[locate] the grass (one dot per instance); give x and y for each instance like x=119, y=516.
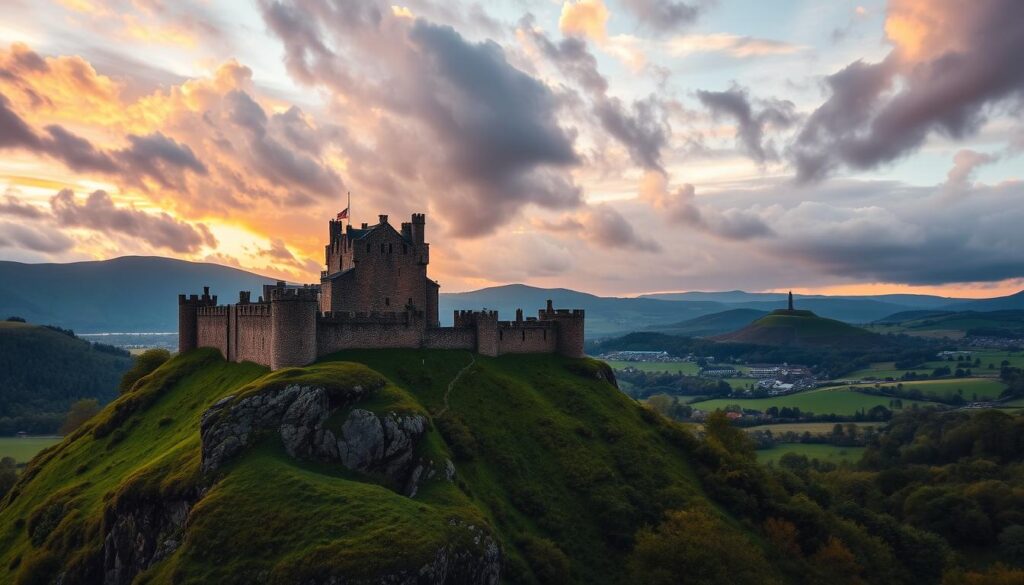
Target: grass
x=841, y=401
x=23, y=449
x=545, y=451
x=829, y=453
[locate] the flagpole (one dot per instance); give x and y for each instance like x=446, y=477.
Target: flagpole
x=349, y=208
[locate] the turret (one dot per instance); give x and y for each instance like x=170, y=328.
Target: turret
x=487, y=333
x=569, y=325
x=187, y=327
x=419, y=222
x=293, y=327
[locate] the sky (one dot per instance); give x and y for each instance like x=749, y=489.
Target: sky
x=619, y=147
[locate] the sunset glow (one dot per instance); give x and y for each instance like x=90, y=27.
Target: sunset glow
x=829, y=148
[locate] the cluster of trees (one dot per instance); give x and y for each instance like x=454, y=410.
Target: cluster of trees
x=642, y=384
x=824, y=362
x=842, y=435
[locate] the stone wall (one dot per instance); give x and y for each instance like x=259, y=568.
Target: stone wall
x=293, y=328
x=527, y=337
x=338, y=334
x=252, y=333
x=212, y=328
x=450, y=338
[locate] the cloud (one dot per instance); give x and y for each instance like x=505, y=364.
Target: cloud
x=750, y=124
x=99, y=213
x=38, y=239
x=586, y=18
x=607, y=228
x=11, y=206
x=950, y=62
x=680, y=207
x=740, y=47
x=451, y=117
x=14, y=132
x=642, y=127
x=663, y=15
x=965, y=161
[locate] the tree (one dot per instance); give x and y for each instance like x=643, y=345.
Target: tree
x=8, y=475
x=81, y=411
x=1011, y=543
x=695, y=547
x=145, y=364
x=13, y=319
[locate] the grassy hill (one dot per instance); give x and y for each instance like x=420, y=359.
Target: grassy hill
x=42, y=371
x=801, y=329
x=713, y=324
x=996, y=323
x=551, y=461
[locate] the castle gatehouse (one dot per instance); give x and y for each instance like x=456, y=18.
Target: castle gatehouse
x=374, y=294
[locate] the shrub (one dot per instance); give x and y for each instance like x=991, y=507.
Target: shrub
x=548, y=562
x=145, y=364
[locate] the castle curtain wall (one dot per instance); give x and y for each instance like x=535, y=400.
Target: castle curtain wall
x=336, y=334
x=527, y=337
x=212, y=328
x=450, y=338
x=252, y=333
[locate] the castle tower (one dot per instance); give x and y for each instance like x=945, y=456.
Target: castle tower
x=187, y=326
x=293, y=339
x=790, y=300
x=569, y=325
x=487, y=333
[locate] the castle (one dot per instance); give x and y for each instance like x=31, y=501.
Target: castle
x=375, y=293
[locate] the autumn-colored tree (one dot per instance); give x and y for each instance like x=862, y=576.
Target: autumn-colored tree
x=81, y=411
x=837, y=563
x=784, y=535
x=696, y=547
x=996, y=575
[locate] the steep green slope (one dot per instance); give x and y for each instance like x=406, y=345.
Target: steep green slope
x=800, y=328
x=552, y=464
x=43, y=371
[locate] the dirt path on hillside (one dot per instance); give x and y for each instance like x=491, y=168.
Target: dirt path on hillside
x=451, y=385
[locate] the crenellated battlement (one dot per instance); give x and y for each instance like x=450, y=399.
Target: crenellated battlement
x=375, y=293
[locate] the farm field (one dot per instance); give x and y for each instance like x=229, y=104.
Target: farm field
x=839, y=400
x=882, y=370
x=814, y=428
x=688, y=368
x=973, y=388
x=24, y=449
x=830, y=453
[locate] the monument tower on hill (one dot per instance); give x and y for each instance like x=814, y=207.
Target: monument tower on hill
x=374, y=293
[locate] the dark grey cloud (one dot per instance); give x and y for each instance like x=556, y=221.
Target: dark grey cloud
x=76, y=152
x=283, y=163
x=680, y=207
x=607, y=228
x=159, y=157
x=641, y=127
x=879, y=112
x=663, y=15
x=735, y=104
x=99, y=213
x=14, y=132
x=481, y=135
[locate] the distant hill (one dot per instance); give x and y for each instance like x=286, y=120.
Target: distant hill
x=605, y=315
x=1008, y=323
x=128, y=294
x=801, y=329
x=43, y=371
x=1008, y=303
x=713, y=324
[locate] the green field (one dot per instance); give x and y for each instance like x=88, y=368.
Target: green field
x=840, y=400
x=983, y=388
x=23, y=449
x=882, y=370
x=814, y=428
x=688, y=368
x=830, y=453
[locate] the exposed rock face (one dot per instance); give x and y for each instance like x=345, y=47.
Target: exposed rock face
x=139, y=534
x=382, y=444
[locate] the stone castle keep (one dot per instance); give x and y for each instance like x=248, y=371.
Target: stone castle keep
x=375, y=293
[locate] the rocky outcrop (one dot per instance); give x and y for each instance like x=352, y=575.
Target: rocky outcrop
x=140, y=533
x=379, y=444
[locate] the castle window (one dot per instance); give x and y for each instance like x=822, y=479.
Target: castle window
x=410, y=301
x=382, y=248
x=524, y=334
x=367, y=247
x=387, y=301
x=389, y=248
x=501, y=335
x=545, y=335
x=405, y=248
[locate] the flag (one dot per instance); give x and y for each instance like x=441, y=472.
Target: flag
x=343, y=214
